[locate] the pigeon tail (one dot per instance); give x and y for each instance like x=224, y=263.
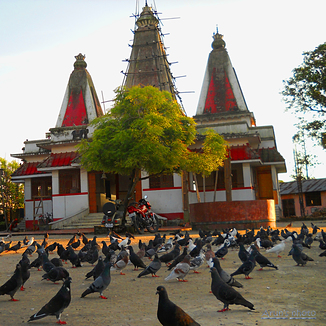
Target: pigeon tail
x=86, y=292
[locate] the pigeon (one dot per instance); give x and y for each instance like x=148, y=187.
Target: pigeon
x=247, y=267
x=152, y=268
x=13, y=284
x=72, y=240
x=73, y=258
x=16, y=247
x=46, y=264
x=97, y=270
x=25, y=240
x=56, y=305
x=226, y=277
x=168, y=257
x=167, y=246
x=30, y=242
x=180, y=271
x=178, y=259
x=141, y=252
x=100, y=283
x=209, y=253
x=121, y=264
x=37, y=263
x=76, y=244
x=56, y=274
x=227, y=294
x=57, y=262
x=168, y=313
x=243, y=253
x=84, y=239
x=50, y=248
x=125, y=242
x=278, y=248
x=299, y=256
x=223, y=250
x=135, y=260
x=196, y=262
x=262, y=260
x=25, y=268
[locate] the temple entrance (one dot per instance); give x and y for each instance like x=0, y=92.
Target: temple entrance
x=109, y=186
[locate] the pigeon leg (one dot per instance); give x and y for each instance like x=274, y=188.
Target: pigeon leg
x=61, y=322
x=103, y=297
x=12, y=299
x=279, y=256
x=182, y=280
x=248, y=277
x=122, y=273
x=153, y=275
x=196, y=272
x=260, y=269
x=22, y=288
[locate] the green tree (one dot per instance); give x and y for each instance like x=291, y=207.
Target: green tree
x=12, y=194
x=305, y=94
x=146, y=130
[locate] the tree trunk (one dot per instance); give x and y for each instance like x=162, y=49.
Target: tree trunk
x=197, y=190
x=134, y=177
x=204, y=188
x=215, y=185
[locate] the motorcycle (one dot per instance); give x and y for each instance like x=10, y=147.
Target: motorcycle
x=142, y=216
x=113, y=215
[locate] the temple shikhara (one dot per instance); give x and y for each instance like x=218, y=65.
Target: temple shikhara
x=244, y=191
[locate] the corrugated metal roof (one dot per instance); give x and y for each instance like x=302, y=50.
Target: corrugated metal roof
x=27, y=169
x=307, y=186
x=58, y=160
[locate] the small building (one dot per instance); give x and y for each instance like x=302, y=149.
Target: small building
x=312, y=195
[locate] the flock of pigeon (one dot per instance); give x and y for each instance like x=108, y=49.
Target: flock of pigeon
x=179, y=253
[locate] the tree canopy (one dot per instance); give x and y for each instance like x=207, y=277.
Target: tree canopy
x=146, y=130
x=305, y=94
x=12, y=194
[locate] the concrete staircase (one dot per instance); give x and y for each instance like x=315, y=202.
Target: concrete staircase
x=88, y=221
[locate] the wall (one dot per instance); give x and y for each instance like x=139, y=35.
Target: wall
x=239, y=214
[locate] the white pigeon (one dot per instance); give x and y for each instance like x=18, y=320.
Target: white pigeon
x=191, y=245
x=31, y=240
x=180, y=271
x=278, y=248
x=124, y=243
x=167, y=246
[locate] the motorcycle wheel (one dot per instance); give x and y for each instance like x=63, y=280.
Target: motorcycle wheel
x=153, y=223
x=138, y=224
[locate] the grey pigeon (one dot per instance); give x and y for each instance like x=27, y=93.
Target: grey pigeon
x=97, y=270
x=299, y=256
x=247, y=267
x=168, y=313
x=227, y=294
x=152, y=268
x=13, y=284
x=101, y=283
x=46, y=264
x=226, y=277
x=262, y=260
x=57, y=304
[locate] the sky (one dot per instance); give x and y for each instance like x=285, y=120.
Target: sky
x=40, y=38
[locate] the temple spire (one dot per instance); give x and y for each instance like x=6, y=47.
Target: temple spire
x=148, y=64
x=80, y=104
x=221, y=92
